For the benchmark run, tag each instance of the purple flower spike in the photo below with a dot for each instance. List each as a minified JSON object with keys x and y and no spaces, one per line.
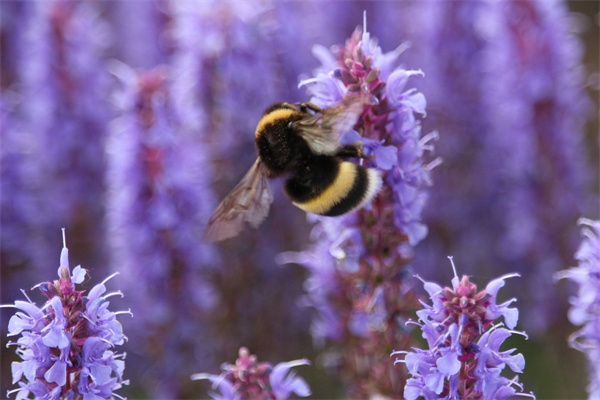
{"x":586,"y":305}
{"x":250,"y":380}
{"x":66,"y":352}
{"x":357,"y":260}
{"x":57,"y":168}
{"x":158,"y":201}
{"x":464,"y":359}
{"x":512,"y":141}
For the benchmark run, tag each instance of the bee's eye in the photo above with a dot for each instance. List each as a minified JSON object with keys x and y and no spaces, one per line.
{"x":290,"y":124}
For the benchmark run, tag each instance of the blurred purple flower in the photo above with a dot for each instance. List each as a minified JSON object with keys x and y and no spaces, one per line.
{"x":65,"y":353}
{"x":585,"y":307}
{"x":248,"y":379}
{"x":17,"y":211}
{"x":144,"y":41}
{"x":357,"y":260}
{"x":159,"y":199}
{"x":233,"y":63}
{"x":224,"y":82}
{"x":60,"y":112}
{"x":463,"y":359}
{"x":512,"y":141}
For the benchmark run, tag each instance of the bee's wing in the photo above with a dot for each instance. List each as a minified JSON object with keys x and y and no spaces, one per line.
{"x":323,"y":132}
{"x":248,"y":202}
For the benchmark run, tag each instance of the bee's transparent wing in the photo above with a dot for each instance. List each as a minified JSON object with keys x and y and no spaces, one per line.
{"x":323,"y":131}
{"x":248,"y":202}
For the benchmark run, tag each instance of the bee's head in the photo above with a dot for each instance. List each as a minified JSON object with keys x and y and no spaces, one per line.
{"x":278,"y":145}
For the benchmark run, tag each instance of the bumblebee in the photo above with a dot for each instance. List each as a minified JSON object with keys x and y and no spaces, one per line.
{"x":300,"y":141}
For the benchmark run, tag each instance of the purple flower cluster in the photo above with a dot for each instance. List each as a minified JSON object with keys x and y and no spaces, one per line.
{"x":389,"y":126}
{"x":158,"y":200}
{"x":544,"y":175}
{"x":507,"y":85}
{"x":62,"y":115}
{"x":463,"y":359}
{"x":249,"y":379}
{"x":357,"y":260}
{"x":222,"y":84}
{"x":233,"y":63}
{"x":66,"y":345}
{"x":585,"y":307}
{"x":18,"y":209}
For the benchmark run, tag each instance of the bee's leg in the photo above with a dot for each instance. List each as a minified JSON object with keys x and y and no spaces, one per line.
{"x":354,"y":150}
{"x":310,"y":106}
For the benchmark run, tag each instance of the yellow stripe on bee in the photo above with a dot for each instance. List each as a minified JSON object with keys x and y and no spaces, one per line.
{"x":334,"y":193}
{"x":273,"y":116}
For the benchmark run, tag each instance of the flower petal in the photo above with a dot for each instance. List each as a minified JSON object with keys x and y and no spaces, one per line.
{"x":78,"y":275}
{"x":449,"y":364}
{"x":435,"y":382}
{"x":283,"y":384}
{"x":386,"y":157}
{"x":57,"y":373}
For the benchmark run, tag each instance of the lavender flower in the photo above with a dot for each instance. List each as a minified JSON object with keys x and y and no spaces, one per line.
{"x":233,"y":63}
{"x":143,"y":41}
{"x":506,"y":81}
{"x":357,"y":260}
{"x":61,"y":114}
{"x":249,"y":379}
{"x":223,"y":83}
{"x":463,"y":359}
{"x":544,"y":169}
{"x":17,"y":211}
{"x":159,"y":198}
{"x":66,"y":346}
{"x":585,"y":307}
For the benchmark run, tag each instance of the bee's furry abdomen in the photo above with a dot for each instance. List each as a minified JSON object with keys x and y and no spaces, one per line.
{"x":355,"y":195}
{"x":315,"y":175}
{"x":329,"y":186}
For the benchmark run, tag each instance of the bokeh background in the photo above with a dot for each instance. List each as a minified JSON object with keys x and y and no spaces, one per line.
{"x":126,"y":121}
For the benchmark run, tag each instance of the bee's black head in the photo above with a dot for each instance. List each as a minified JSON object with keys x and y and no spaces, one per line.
{"x":278,"y":145}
